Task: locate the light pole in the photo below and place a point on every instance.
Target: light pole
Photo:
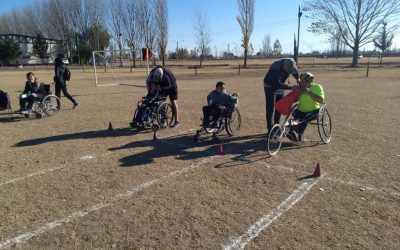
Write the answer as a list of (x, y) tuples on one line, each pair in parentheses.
[(177, 47), (298, 35), (228, 49)]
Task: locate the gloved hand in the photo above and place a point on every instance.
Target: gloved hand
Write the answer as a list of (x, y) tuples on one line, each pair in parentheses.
[(34, 95)]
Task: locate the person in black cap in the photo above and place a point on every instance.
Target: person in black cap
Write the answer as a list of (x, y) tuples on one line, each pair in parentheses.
[(274, 86), (61, 85), (167, 82)]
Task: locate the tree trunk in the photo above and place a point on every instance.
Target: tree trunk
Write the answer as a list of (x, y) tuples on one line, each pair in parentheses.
[(245, 57), (355, 55)]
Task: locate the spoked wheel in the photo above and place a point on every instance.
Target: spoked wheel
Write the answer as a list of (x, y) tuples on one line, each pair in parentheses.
[(51, 105), (324, 125), (275, 139), (232, 122), (164, 115)]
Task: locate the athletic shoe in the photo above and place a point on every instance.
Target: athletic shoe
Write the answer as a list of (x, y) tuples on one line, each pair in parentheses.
[(75, 105), (175, 125), (292, 135)]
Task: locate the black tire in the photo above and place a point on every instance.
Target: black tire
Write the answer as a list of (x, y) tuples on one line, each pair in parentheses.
[(324, 125), (233, 122), (164, 114), (38, 115), (275, 139), (51, 105)]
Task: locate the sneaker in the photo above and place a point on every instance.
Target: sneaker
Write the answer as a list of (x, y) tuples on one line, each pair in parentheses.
[(292, 135), (175, 125), (75, 105)]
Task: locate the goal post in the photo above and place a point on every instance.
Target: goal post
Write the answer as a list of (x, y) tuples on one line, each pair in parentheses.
[(106, 66)]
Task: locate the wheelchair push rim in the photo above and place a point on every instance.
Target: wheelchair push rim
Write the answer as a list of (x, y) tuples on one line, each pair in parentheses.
[(51, 105), (275, 139), (233, 122), (324, 125), (164, 115)]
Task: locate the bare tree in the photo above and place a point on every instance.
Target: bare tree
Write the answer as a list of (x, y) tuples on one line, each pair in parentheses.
[(246, 22), (266, 45), (203, 33), (94, 16), (356, 20), (131, 27), (147, 23), (383, 41), (161, 13), (117, 12)]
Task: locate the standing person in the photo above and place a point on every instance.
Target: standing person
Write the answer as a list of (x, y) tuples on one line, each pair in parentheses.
[(274, 86), (59, 69), (167, 82)]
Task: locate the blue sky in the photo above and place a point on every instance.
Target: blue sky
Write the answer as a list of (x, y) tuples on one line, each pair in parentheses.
[(278, 18)]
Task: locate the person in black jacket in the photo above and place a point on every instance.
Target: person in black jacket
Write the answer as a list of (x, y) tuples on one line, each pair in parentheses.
[(167, 82), (274, 86), (59, 80), (31, 92)]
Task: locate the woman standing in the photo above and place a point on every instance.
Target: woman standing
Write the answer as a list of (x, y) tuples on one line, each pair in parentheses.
[(60, 82)]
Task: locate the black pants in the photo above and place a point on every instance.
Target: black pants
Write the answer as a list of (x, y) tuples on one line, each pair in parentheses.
[(65, 92), (305, 117), (272, 116), (30, 100), (213, 111)]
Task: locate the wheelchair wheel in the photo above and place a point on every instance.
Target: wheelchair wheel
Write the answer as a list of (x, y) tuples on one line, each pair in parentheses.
[(275, 139), (233, 122), (51, 105), (324, 125), (164, 114)]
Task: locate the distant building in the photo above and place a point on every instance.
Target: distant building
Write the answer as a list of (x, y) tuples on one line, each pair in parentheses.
[(26, 46)]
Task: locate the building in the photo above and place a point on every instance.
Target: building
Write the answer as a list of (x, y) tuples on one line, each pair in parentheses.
[(26, 46)]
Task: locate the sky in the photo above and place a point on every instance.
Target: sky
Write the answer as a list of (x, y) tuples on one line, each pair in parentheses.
[(276, 18)]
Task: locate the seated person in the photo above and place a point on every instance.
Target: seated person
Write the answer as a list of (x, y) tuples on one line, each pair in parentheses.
[(149, 102), (310, 97), (218, 101), (31, 93)]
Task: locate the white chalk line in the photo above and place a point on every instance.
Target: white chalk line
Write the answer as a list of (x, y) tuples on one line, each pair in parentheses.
[(261, 224), (50, 225)]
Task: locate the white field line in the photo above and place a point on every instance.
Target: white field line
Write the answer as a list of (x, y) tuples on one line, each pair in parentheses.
[(50, 225), (261, 224)]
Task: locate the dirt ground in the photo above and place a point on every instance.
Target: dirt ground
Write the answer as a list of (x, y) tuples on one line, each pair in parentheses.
[(68, 183)]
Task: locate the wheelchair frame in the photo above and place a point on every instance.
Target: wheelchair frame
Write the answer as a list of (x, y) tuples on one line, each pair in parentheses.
[(223, 122), (278, 131), (50, 105), (160, 118)]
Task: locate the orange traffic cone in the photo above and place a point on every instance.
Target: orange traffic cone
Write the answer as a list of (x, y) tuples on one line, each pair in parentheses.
[(155, 135), (220, 149), (317, 171), (110, 127)]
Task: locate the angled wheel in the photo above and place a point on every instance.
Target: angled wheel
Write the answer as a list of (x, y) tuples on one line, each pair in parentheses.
[(164, 115), (233, 122), (275, 137), (51, 105), (324, 125)]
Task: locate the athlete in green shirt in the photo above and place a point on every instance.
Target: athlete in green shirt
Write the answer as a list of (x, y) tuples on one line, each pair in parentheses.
[(310, 98)]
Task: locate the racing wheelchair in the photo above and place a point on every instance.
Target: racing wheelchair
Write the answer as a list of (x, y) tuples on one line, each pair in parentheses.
[(49, 104), (278, 131), (155, 115), (229, 120)]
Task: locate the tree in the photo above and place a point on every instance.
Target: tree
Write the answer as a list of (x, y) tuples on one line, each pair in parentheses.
[(266, 45), (40, 46), (93, 38), (161, 12), (131, 28), (246, 22), (147, 23), (277, 47), (117, 11), (356, 20), (384, 40), (9, 50), (337, 45), (203, 32)]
